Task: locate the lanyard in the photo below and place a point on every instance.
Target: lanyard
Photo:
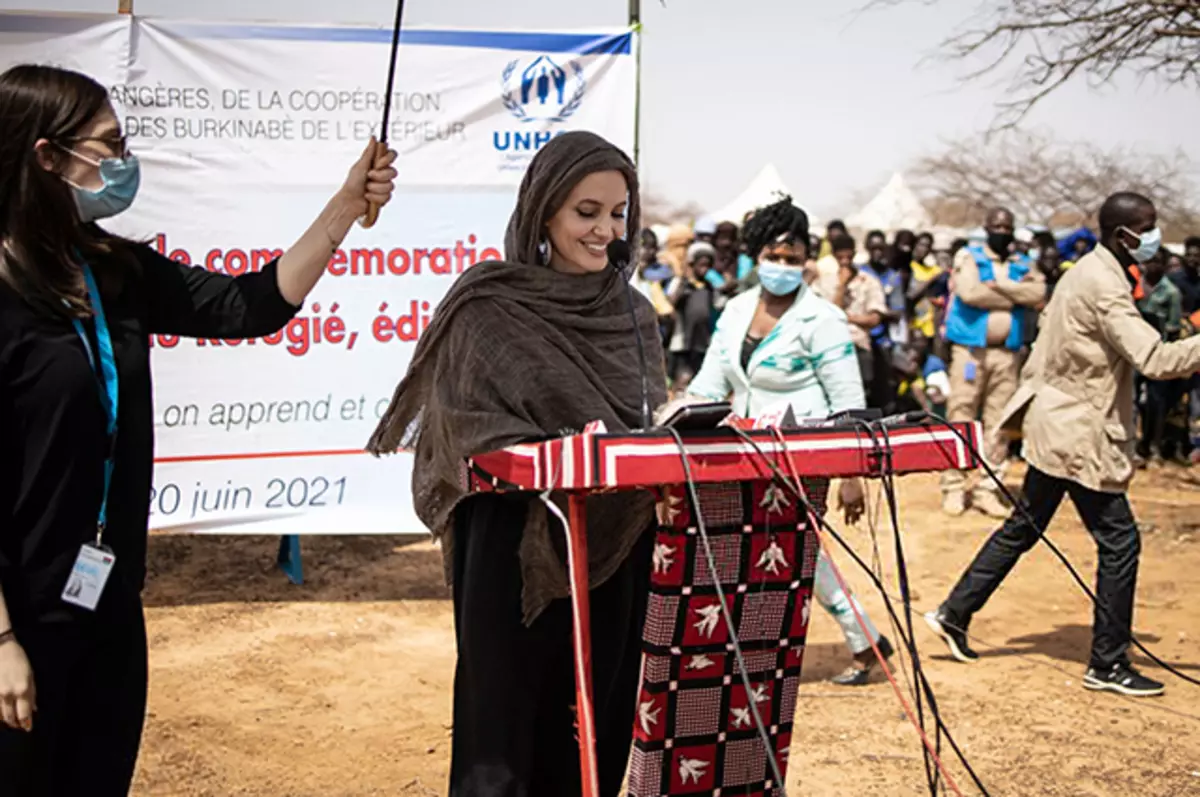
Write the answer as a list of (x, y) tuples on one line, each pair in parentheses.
[(108, 386)]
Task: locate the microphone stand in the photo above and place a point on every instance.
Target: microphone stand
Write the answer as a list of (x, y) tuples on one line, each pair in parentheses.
[(647, 420)]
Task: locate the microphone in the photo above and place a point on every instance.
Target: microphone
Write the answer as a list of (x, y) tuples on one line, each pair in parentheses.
[(619, 255)]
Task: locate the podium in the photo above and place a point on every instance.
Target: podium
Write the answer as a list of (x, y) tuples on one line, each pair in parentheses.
[(695, 730)]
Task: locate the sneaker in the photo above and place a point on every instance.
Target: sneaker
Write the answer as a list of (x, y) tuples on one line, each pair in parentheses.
[(1122, 678), (954, 504), (989, 504), (955, 638), (859, 674), (852, 676)]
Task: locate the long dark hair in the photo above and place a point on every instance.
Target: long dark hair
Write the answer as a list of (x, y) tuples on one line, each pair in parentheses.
[(42, 238)]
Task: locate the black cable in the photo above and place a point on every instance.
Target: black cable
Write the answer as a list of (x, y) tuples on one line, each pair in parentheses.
[(909, 642), (889, 487), (882, 455), (1020, 507)]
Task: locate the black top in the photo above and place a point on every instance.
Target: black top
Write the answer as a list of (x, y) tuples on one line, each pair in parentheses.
[(749, 345), (52, 421)]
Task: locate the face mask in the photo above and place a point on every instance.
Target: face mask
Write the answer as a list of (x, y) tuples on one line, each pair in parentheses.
[(121, 177), (1148, 243), (778, 279), (1000, 242)]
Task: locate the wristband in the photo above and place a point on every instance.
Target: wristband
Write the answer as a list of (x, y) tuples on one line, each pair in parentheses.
[(7, 636)]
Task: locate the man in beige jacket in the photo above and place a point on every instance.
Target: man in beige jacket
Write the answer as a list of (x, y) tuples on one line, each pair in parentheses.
[(1075, 410)]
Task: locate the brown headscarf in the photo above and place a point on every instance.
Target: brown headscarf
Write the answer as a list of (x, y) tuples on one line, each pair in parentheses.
[(517, 351)]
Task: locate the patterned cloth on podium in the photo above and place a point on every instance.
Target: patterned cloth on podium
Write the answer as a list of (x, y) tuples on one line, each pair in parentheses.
[(694, 732)]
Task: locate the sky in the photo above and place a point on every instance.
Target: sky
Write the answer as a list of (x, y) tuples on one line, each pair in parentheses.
[(837, 97)]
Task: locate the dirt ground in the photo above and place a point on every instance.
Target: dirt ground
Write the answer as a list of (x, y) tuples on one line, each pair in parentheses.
[(342, 686)]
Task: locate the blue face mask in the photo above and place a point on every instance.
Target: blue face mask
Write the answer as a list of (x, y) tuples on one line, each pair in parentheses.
[(779, 279), (1148, 244), (121, 177)]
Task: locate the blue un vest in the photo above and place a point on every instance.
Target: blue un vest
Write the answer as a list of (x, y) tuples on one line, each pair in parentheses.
[(967, 325)]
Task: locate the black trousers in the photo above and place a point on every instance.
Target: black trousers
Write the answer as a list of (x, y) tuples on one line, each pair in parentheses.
[(514, 686), (90, 678), (1110, 522)]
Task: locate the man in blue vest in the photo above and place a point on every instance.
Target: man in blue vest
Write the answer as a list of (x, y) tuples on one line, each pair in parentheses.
[(985, 325)]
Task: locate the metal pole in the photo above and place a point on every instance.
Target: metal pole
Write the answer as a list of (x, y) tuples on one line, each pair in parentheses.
[(635, 23)]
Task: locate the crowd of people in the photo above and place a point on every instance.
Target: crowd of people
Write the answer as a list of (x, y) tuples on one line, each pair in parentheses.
[(937, 326)]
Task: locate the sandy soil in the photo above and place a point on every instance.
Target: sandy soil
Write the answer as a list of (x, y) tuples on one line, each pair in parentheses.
[(342, 686)]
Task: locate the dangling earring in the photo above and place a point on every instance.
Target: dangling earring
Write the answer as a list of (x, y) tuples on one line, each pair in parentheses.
[(544, 251)]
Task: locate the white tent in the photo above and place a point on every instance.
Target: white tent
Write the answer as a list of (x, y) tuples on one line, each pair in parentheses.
[(895, 207), (764, 189)]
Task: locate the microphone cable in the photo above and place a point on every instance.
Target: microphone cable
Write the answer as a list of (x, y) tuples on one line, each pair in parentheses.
[(907, 640)]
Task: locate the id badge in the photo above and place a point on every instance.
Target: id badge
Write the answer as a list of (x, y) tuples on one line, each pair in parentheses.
[(86, 583), (969, 371)]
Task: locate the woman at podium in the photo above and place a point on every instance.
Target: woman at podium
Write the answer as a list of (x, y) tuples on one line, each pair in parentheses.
[(534, 347), (781, 342)]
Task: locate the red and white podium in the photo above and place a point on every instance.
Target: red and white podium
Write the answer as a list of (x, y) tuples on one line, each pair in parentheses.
[(694, 731)]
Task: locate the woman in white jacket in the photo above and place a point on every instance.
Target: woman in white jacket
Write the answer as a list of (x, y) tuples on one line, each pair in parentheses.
[(781, 342)]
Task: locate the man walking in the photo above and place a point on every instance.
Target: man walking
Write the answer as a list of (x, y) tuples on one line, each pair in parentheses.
[(1075, 410), (986, 327)]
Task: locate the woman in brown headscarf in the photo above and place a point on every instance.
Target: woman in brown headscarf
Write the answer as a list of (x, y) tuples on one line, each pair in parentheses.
[(533, 347)]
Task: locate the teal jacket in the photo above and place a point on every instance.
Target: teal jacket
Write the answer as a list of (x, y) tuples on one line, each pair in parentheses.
[(808, 359)]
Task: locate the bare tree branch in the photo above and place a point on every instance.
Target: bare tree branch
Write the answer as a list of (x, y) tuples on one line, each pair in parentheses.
[(1047, 43), (1050, 181)]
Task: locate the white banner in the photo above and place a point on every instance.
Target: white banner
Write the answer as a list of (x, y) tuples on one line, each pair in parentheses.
[(244, 132)]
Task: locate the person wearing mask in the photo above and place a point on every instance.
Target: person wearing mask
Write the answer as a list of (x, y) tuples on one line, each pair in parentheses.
[(780, 342), (1074, 410), (77, 308), (520, 350), (1187, 279), (692, 299), (985, 327), (860, 296), (1161, 307)]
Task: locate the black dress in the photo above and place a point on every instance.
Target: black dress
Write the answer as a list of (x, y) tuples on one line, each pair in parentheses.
[(514, 686), (90, 667)]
